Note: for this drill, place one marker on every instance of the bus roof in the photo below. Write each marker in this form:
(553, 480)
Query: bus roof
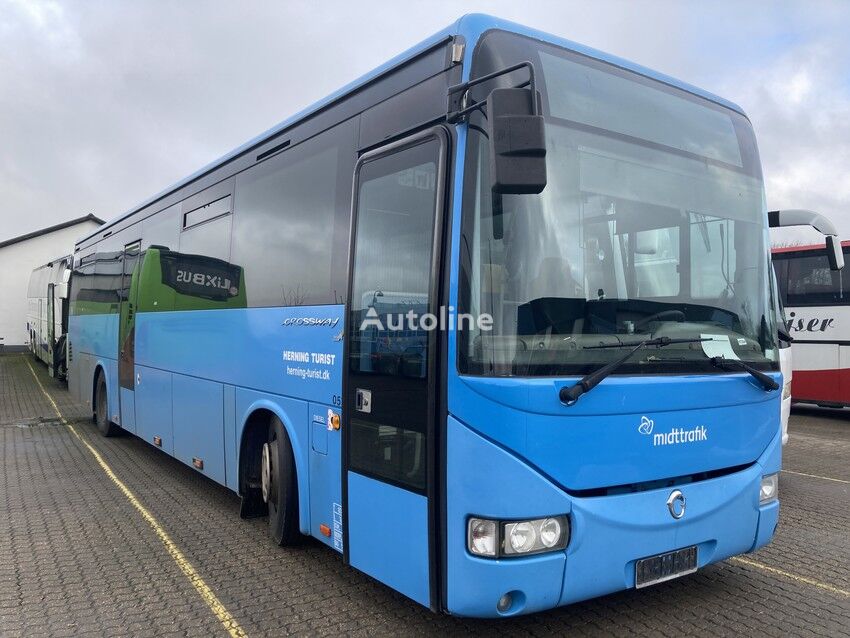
(807, 247)
(471, 27)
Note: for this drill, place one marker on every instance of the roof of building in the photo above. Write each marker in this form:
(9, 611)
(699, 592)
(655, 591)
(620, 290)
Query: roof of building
(50, 229)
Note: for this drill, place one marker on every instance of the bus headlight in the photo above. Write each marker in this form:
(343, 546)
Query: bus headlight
(769, 488)
(786, 390)
(521, 537)
(514, 538)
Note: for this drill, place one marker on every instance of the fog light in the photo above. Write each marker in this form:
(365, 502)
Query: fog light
(504, 603)
(481, 537)
(769, 488)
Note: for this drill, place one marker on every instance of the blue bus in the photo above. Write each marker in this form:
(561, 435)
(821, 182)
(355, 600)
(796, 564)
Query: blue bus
(289, 321)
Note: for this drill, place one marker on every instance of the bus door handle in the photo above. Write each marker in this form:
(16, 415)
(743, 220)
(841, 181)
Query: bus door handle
(138, 378)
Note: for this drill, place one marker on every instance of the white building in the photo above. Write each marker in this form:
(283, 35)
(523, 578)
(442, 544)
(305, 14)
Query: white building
(18, 257)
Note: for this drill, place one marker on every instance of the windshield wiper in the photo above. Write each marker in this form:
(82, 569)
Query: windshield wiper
(737, 365)
(570, 395)
(658, 341)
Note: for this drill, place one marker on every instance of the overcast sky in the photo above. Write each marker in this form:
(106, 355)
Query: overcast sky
(103, 104)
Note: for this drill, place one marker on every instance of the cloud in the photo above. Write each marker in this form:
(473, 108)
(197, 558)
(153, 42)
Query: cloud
(103, 104)
(800, 107)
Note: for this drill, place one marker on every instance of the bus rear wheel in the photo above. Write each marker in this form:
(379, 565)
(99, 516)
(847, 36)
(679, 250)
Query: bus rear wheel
(280, 485)
(101, 409)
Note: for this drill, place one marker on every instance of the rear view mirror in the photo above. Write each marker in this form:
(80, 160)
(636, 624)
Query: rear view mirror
(517, 142)
(834, 253)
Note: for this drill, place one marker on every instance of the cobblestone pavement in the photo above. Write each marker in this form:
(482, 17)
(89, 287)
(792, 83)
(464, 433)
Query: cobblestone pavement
(76, 558)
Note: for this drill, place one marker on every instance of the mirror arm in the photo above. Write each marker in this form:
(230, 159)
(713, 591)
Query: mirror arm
(800, 217)
(457, 108)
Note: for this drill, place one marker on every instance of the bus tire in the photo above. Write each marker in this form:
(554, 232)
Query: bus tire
(101, 408)
(280, 485)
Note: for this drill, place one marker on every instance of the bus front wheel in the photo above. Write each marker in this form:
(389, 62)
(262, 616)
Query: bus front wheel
(280, 485)
(101, 409)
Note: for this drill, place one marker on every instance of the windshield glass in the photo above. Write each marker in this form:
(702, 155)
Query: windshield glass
(651, 224)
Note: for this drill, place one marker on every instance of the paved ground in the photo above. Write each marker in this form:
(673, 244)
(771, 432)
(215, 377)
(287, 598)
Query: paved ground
(77, 558)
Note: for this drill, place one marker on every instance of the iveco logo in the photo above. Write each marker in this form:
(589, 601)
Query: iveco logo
(676, 504)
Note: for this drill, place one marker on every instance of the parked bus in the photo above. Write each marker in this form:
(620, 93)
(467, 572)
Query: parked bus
(784, 338)
(598, 408)
(47, 313)
(817, 309)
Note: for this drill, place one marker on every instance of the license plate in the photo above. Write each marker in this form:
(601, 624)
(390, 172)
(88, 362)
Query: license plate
(657, 569)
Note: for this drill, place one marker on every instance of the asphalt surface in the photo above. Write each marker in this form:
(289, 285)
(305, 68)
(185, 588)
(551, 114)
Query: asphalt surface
(78, 558)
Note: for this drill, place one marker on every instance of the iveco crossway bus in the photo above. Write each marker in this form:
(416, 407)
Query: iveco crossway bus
(495, 322)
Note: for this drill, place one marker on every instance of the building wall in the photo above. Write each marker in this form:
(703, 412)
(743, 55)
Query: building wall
(16, 263)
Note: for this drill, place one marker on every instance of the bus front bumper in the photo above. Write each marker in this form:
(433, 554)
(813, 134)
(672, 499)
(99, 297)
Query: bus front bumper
(609, 534)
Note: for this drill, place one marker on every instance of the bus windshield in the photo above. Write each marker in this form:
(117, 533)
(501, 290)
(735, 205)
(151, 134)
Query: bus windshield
(651, 224)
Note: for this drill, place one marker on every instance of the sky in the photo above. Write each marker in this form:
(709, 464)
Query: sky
(106, 103)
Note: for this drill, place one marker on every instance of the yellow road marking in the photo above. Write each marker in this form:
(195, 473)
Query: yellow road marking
(800, 579)
(228, 622)
(824, 478)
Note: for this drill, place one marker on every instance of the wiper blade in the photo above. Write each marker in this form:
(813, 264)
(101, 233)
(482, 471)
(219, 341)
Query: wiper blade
(569, 395)
(766, 381)
(659, 341)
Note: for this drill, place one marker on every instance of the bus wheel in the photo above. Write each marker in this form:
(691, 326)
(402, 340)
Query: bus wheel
(280, 485)
(101, 409)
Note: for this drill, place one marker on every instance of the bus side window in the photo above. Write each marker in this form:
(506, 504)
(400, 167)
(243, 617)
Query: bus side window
(780, 266)
(291, 222)
(812, 283)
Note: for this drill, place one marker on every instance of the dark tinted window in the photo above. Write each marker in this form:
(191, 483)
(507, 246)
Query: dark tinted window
(392, 264)
(392, 272)
(291, 222)
(162, 229)
(208, 211)
(210, 239)
(80, 282)
(808, 281)
(97, 283)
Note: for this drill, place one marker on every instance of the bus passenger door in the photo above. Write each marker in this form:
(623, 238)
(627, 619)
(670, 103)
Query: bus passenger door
(391, 372)
(127, 337)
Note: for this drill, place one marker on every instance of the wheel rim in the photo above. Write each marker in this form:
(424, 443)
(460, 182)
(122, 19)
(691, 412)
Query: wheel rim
(266, 472)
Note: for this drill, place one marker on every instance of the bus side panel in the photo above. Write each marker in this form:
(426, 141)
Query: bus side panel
(231, 446)
(291, 351)
(276, 358)
(325, 477)
(817, 373)
(94, 339)
(387, 531)
(154, 407)
(199, 425)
